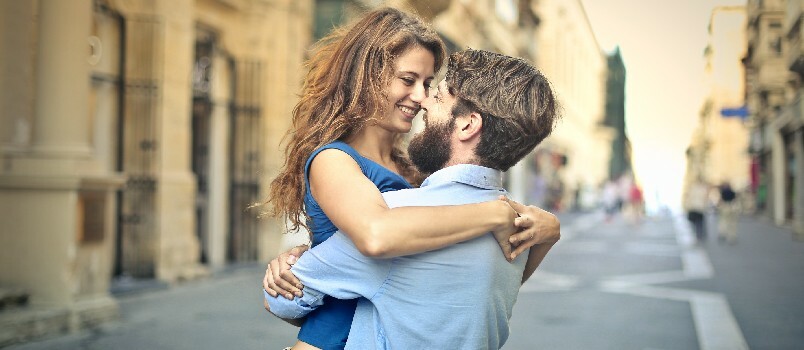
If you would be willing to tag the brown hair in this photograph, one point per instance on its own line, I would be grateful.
(514, 99)
(345, 88)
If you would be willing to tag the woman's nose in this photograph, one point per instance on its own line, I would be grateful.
(419, 93)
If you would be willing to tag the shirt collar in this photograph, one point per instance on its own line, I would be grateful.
(470, 174)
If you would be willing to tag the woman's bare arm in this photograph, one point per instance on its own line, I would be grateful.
(539, 230)
(356, 207)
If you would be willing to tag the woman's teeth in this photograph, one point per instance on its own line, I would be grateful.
(407, 110)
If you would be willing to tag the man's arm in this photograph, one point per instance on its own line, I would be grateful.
(535, 257)
(298, 322)
(334, 267)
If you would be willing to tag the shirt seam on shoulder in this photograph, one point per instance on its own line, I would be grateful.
(384, 283)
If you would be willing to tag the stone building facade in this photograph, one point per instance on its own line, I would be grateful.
(569, 54)
(774, 71)
(718, 152)
(135, 135)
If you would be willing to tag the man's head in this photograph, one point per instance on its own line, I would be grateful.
(491, 110)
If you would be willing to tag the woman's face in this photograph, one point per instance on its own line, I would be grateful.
(409, 86)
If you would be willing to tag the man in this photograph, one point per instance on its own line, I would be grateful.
(696, 202)
(728, 210)
(489, 112)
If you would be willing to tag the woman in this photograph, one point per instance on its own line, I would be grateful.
(361, 94)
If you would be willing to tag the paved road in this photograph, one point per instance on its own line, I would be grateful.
(614, 285)
(606, 285)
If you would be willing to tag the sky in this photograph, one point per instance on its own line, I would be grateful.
(662, 44)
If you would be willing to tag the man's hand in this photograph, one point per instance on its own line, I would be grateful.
(278, 279)
(536, 226)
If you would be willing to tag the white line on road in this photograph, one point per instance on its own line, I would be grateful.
(715, 324)
(714, 321)
(542, 281)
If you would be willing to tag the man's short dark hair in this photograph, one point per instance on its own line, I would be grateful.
(516, 103)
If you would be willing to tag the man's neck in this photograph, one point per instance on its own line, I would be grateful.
(463, 152)
(457, 159)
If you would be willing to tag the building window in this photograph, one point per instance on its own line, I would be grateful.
(506, 11)
(776, 45)
(328, 15)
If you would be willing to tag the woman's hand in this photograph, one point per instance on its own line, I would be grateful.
(278, 279)
(507, 228)
(536, 226)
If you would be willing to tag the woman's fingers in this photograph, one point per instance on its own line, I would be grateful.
(289, 282)
(522, 237)
(519, 249)
(518, 207)
(268, 282)
(278, 279)
(279, 285)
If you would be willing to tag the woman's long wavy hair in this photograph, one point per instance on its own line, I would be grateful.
(346, 88)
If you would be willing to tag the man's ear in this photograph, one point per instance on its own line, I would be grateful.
(468, 126)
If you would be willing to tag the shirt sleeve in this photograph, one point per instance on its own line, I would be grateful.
(335, 267)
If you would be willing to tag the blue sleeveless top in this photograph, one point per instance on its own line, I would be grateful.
(328, 326)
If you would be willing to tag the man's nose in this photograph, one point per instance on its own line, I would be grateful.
(425, 103)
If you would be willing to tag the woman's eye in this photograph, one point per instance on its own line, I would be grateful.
(408, 81)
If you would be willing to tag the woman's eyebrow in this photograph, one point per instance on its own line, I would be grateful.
(408, 72)
(414, 74)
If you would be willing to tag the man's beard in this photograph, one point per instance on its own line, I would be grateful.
(430, 149)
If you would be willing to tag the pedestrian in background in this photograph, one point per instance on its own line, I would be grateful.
(636, 204)
(696, 201)
(609, 200)
(728, 210)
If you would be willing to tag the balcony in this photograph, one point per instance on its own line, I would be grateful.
(795, 55)
(788, 115)
(792, 14)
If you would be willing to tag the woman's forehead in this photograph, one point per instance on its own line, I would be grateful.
(416, 59)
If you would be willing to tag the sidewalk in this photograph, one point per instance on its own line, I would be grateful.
(221, 312)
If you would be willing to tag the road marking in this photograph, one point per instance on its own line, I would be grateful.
(543, 281)
(653, 249)
(715, 324)
(585, 247)
(714, 321)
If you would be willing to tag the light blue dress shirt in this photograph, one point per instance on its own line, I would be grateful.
(458, 297)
